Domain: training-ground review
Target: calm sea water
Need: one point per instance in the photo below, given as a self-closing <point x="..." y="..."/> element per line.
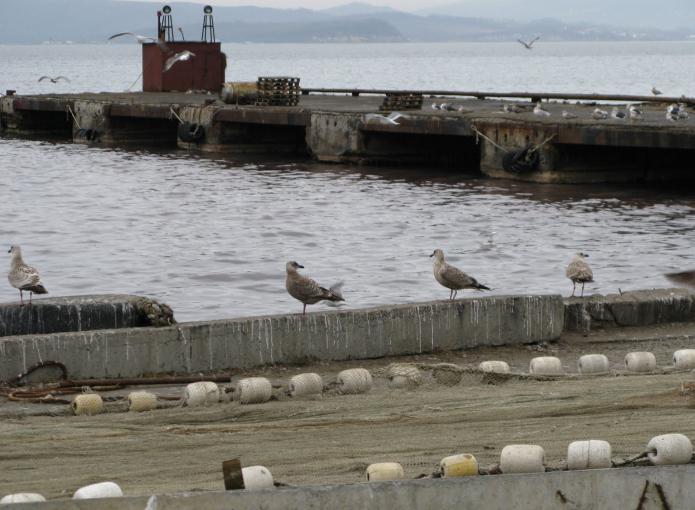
<point x="211" y="236"/>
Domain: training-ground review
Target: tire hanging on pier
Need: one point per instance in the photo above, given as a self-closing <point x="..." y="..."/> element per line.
<point x="191" y="133"/>
<point x="521" y="161"/>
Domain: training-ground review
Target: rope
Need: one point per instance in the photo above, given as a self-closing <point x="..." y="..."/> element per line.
<point x="133" y="84"/>
<point x="537" y="147"/>
<point x="478" y="133"/>
<point x="73" y="116"/>
<point x="171" y="110"/>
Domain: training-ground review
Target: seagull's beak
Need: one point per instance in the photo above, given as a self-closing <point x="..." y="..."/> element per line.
<point x="432" y="255"/>
<point x="300" y="266"/>
<point x="9" y="251"/>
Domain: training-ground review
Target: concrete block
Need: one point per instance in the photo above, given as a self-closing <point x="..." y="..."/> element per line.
<point x="635" y="308"/>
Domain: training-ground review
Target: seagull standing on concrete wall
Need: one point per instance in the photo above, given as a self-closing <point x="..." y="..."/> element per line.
<point x="635" y="113"/>
<point x="656" y="91"/>
<point x="306" y="290"/>
<point x="538" y="110"/>
<point x="453" y="278"/>
<point x="579" y="271"/>
<point x="22" y="276"/>
<point x="599" y="114"/>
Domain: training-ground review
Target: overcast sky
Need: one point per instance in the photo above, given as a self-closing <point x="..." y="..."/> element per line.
<point x="403" y="5"/>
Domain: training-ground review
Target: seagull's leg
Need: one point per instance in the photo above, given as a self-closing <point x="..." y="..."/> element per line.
<point x="574" y="287"/>
<point x="304" y="310"/>
<point x="21" y="298"/>
<point x="30" y="295"/>
<point x="582" y="289"/>
<point x="455" y="292"/>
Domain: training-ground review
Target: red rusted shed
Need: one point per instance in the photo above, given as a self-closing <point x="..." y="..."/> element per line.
<point x="205" y="71"/>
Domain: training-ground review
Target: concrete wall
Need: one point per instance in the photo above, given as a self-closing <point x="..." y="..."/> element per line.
<point x="332" y="335"/>
<point x="646" y="488"/>
<point x="635" y="308"/>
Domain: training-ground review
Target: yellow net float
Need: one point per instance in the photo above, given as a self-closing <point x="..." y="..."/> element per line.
<point x="384" y="471"/>
<point x="87" y="404"/>
<point x="139" y="401"/>
<point x="463" y="464"/>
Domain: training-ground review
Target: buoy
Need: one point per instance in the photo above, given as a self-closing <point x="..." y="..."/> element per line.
<point x="669" y="449"/>
<point x="87" y="404"/>
<point x="141" y="401"/>
<point x="22" y="497"/>
<point x="640" y="362"/>
<point x="684" y="359"/>
<point x="593" y="364"/>
<point x="522" y="458"/>
<point x="463" y="464"/>
<point x="546" y="365"/>
<point x="402" y="375"/>
<point x="99" y="490"/>
<point x="354" y="380"/>
<point x="306" y="384"/>
<point x="201" y="393"/>
<point x="498" y="367"/>
<point x="257" y="477"/>
<point x="253" y="390"/>
<point x="591" y="454"/>
<point x="383" y="471"/>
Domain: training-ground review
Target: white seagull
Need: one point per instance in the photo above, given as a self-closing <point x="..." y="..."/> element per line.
<point x="144" y="39"/>
<point x="538" y="110"/>
<point x="178" y="57"/>
<point x="568" y="115"/>
<point x="599" y="114"/>
<point x="383" y="119"/>
<point x="435" y="106"/>
<point x="635" y="113"/>
<point x="617" y="114"/>
<point x="54" y="80"/>
<point x="656" y="91"/>
<point x="528" y="45"/>
<point x="22" y="276"/>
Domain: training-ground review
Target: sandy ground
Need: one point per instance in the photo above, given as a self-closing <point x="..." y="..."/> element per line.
<point x="333" y="439"/>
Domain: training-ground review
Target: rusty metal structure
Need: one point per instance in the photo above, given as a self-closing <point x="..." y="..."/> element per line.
<point x="405" y="101"/>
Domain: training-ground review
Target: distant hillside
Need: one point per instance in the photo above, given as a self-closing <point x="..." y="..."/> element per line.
<point x="33" y="21"/>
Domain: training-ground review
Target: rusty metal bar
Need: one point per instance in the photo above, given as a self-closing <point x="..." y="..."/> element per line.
<point x="233" y="477"/>
<point x="499" y="95"/>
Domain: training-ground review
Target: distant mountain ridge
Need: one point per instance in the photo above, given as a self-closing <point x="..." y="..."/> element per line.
<point x="34" y="21"/>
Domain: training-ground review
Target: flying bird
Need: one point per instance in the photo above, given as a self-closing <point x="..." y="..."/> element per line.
<point x="528" y="45"/>
<point x="144" y="39"/>
<point x="178" y="57"/>
<point x="451" y="277"/>
<point x="22" y="276"/>
<point x="656" y="91"/>
<point x="54" y="80"/>
<point x="306" y="290"/>
<point x="579" y="271"/>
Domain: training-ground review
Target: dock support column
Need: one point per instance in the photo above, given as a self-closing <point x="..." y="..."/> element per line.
<point x="199" y="130"/>
<point x="91" y="122"/>
<point x="336" y="137"/>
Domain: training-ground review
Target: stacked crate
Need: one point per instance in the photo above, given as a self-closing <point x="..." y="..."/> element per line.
<point x="278" y="91"/>
<point x="397" y="101"/>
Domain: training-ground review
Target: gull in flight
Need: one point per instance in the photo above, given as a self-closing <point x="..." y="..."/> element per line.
<point x="656" y="91"/>
<point x="382" y="119"/>
<point x="538" y="110"/>
<point x="54" y="80"/>
<point x="579" y="271"/>
<point x="453" y="278"/>
<point x="528" y="45"/>
<point x="178" y="57"/>
<point x="306" y="290"/>
<point x="144" y="39"/>
<point x="22" y="276"/>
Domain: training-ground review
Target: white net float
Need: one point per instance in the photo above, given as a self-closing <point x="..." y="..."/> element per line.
<point x="591" y="454"/>
<point x="522" y="458"/>
<point x="669" y="449"/>
<point x="463" y="464"/>
<point x="546" y="365"/>
<point x="640" y="362"/>
<point x="257" y="477"/>
<point x="684" y="359"/>
<point x="139" y="401"/>
<point x="253" y="390"/>
<point x="593" y="364"/>
<point x="201" y="393"/>
<point x="87" y="404"/>
<point x="497" y="367"/>
<point x="384" y="471"/>
<point x="306" y="384"/>
<point x="354" y="380"/>
<point x="402" y="375"/>
<point x="22" y="497"/>
<point x="99" y="490"/>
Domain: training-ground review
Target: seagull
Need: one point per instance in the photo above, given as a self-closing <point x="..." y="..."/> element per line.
<point x="144" y="39"/>
<point x="382" y="119"/>
<point x="453" y="278"/>
<point x="617" y="114"/>
<point x="178" y="57"/>
<point x="656" y="91"/>
<point x="682" y="112"/>
<point x="676" y="112"/>
<point x="599" y="114"/>
<point x="307" y="290"/>
<point x="528" y="45"/>
<point x="447" y="106"/>
<point x="435" y="106"/>
<point x="568" y="115"/>
<point x="635" y="113"/>
<point x="54" y="80"/>
<point x="538" y="110"/>
<point x="686" y="278"/>
<point x="579" y="271"/>
<point x="22" y="276"/>
<point x="512" y="108"/>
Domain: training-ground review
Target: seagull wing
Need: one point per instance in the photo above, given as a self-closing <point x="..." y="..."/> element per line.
<point x="122" y="33"/>
<point x="523" y="43"/>
<point x="62" y="78"/>
<point x="533" y="41"/>
<point x="24" y="276"/>
<point x="169" y="63"/>
<point x="395" y="116"/>
<point x="44" y="78"/>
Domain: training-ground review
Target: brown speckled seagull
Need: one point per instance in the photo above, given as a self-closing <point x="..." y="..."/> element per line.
<point x="22" y="276"/>
<point x="307" y="290"/>
<point x="453" y="278"/>
<point x="579" y="271"/>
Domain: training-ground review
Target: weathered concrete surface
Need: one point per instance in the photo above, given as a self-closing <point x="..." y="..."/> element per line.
<point x="663" y="488"/>
<point x="635" y="308"/>
<point x="82" y="313"/>
<point x="248" y="342"/>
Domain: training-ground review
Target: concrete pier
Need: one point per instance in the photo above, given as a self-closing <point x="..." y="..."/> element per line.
<point x="335" y="128"/>
<point x="328" y="336"/>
